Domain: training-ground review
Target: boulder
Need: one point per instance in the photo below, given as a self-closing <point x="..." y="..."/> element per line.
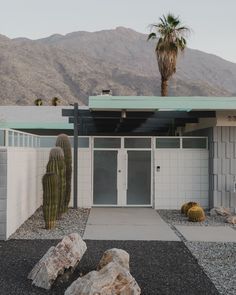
<point x="115" y="255"/>
<point x="112" y="279"/>
<point x="66" y="255"/>
<point x="231" y="219"/>
<point x="220" y="211"/>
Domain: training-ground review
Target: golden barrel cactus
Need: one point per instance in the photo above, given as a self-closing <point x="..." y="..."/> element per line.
<point x="187" y="206"/>
<point x="196" y="214"/>
<point x="183" y="208"/>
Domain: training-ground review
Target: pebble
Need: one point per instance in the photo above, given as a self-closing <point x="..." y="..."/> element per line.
<point x="174" y="217"/>
<point x="34" y="228"/>
<point x="218" y="260"/>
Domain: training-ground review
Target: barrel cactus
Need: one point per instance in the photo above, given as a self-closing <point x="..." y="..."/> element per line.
<point x="56" y="164"/>
<point x="196" y="214"/>
<point x="183" y="208"/>
<point x="63" y="141"/>
<point x="50" y="199"/>
<point x="188" y="206"/>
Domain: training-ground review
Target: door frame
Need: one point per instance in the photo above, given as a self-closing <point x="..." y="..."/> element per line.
<point x="123" y="151"/>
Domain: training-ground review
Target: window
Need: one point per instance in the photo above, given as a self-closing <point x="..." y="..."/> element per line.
<point x="138" y="143"/>
<point x="83" y="142"/>
<point x="194" y="143"/>
<point x="107" y="143"/>
<point x="167" y="143"/>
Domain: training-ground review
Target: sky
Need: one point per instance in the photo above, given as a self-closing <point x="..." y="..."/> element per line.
<point x="213" y="22"/>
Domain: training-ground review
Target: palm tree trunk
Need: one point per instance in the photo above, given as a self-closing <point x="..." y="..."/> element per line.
<point x="164" y="87"/>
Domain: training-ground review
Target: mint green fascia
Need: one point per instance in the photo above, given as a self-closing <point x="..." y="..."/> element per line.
<point x="15" y="125"/>
<point x="161" y="103"/>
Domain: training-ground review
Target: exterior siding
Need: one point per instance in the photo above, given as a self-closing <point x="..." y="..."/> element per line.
<point x="222" y="164"/>
<point x="3" y="193"/>
<point x="183" y="177"/>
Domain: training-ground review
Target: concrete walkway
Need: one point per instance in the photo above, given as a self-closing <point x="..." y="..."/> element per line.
<point x="208" y="233"/>
<point x="127" y="224"/>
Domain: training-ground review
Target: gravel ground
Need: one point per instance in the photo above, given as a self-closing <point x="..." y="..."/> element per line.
<point x="165" y="268"/>
<point x="34" y="228"/>
<point x="217" y="259"/>
<point x="174" y="217"/>
<point x="219" y="263"/>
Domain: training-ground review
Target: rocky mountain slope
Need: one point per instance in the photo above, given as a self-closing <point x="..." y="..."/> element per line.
<point x="80" y="64"/>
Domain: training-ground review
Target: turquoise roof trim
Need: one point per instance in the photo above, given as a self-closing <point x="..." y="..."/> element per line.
<point x="24" y="125"/>
<point x="161" y="103"/>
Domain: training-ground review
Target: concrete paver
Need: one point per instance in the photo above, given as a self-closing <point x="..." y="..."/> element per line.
<point x="207" y="233"/>
<point x="127" y="224"/>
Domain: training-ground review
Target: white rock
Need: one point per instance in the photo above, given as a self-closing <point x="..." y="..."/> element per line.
<point x="65" y="255"/>
<point x="112" y="279"/>
<point x="220" y="211"/>
<point x="115" y="255"/>
<point x="231" y="219"/>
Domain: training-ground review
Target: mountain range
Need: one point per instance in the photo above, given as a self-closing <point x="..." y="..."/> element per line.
<point x="74" y="66"/>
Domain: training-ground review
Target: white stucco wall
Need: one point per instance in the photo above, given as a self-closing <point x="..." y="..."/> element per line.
<point x="183" y="177"/>
<point x="84" y="178"/>
<point x="25" y="167"/>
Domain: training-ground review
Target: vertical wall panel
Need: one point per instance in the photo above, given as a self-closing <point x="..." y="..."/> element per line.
<point x="183" y="177"/>
<point x="224" y="166"/>
<point x="3" y="192"/>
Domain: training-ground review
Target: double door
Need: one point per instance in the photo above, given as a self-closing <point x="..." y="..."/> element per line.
<point x="122" y="177"/>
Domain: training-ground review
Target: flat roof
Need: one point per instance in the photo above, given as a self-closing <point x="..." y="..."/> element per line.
<point x="156" y="103"/>
<point x="34" y="117"/>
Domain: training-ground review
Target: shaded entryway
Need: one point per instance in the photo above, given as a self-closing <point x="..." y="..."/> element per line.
<point x="127" y="224"/>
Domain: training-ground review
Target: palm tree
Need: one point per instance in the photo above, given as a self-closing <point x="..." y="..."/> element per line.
<point x="170" y="35"/>
<point x="38" y="102"/>
<point x="55" y="101"/>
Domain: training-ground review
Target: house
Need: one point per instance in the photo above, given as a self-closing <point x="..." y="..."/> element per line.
<point x="132" y="151"/>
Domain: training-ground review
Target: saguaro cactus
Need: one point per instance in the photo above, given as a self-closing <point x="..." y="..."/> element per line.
<point x="64" y="142"/>
<point x="50" y="199"/>
<point x="57" y="165"/>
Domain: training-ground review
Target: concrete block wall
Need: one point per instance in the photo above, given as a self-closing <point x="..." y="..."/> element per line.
<point x="183" y="177"/>
<point x="223" y="174"/>
<point x="24" y="189"/>
<point x="3" y="193"/>
<point x="84" y="178"/>
<point x="222" y="164"/>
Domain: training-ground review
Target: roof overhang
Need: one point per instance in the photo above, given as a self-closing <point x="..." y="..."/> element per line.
<point x="155" y="103"/>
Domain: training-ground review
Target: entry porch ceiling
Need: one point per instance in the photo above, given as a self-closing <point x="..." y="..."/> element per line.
<point x="133" y="122"/>
<point x="154" y="103"/>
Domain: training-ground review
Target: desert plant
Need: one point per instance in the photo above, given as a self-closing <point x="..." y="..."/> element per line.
<point x="38" y="102"/>
<point x="196" y="214"/>
<point x="182" y="210"/>
<point x="188" y="206"/>
<point x="57" y="165"/>
<point x="63" y="141"/>
<point x="50" y="199"/>
<point x="55" y="101"/>
<point x="170" y="34"/>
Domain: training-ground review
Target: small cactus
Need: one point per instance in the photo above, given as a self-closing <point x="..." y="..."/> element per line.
<point x="188" y="206"/>
<point x="50" y="199"/>
<point x="56" y="164"/>
<point x="182" y="210"/>
<point x="64" y="142"/>
<point x="196" y="214"/>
